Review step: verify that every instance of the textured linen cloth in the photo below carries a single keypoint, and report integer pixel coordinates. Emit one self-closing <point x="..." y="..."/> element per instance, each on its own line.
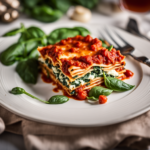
<point x="134" y="133"/>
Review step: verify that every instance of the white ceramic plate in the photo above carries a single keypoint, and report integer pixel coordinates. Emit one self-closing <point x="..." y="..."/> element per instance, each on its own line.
<point x="120" y="106"/>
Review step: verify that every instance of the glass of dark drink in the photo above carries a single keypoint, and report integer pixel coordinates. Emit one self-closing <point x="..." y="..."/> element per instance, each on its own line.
<point x="140" y="6"/>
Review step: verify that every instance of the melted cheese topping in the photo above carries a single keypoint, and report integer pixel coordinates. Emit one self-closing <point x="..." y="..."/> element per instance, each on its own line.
<point x="72" y="47"/>
<point x="81" y="52"/>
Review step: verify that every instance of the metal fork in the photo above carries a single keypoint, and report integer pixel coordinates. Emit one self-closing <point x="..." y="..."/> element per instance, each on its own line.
<point x="125" y="50"/>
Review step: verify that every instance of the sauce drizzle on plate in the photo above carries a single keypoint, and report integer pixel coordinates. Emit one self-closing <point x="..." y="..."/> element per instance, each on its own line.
<point x="58" y="87"/>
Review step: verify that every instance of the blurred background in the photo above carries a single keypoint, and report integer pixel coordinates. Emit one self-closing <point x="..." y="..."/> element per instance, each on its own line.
<point x="39" y="12"/>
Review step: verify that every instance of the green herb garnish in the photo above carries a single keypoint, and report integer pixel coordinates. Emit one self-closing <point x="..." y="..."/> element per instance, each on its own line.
<point x="110" y="48"/>
<point x="56" y="99"/>
<point x="92" y="98"/>
<point x="98" y="90"/>
<point x="26" y="47"/>
<point x="28" y="70"/>
<point x="116" y="84"/>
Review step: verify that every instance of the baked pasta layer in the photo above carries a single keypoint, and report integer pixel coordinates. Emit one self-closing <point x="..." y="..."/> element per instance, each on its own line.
<point x="80" y="62"/>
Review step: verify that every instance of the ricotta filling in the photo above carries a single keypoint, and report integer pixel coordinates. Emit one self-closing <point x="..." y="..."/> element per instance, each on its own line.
<point x="113" y="73"/>
<point x="96" y="72"/>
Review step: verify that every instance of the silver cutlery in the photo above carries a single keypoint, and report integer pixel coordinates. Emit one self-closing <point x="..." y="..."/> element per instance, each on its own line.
<point x="133" y="28"/>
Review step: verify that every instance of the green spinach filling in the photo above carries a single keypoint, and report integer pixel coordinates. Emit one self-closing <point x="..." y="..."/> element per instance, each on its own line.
<point x="97" y="72"/>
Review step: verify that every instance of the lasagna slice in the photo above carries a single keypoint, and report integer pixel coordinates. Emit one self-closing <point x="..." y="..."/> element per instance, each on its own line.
<point x="78" y="64"/>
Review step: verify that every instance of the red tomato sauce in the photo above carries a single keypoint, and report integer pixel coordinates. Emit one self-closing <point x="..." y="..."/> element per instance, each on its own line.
<point x="46" y="79"/>
<point x="127" y="75"/>
<point x="57" y="87"/>
<point x="81" y="94"/>
<point x="84" y="52"/>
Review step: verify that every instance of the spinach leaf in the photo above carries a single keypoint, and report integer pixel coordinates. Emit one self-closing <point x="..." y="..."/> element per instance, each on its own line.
<point x="44" y="41"/>
<point x="110" y="48"/>
<point x="8" y="57"/>
<point x="63" y="33"/>
<point x="51" y="10"/>
<point x="34" y="54"/>
<point x="44" y="13"/>
<point x="62" y="5"/>
<point x="58" y="99"/>
<point x="116" y="84"/>
<point x="30" y="3"/>
<point x="24" y="37"/>
<point x="35" y="32"/>
<point x="15" y="31"/>
<point x="17" y="91"/>
<point x="86" y="3"/>
<point x="83" y="31"/>
<point x="31" y="33"/>
<point x="28" y="70"/>
<point x="30" y="45"/>
<point x="92" y="98"/>
<point x="17" y="51"/>
<point x="75" y="76"/>
<point x="104" y="43"/>
<point x="97" y="90"/>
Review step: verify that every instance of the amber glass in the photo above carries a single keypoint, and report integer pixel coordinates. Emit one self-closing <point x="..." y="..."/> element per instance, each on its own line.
<point x="136" y="5"/>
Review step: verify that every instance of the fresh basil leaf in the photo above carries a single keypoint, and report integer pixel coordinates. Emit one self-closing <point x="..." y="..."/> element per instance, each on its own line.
<point x="30" y="45"/>
<point x="86" y="3"/>
<point x="24" y="37"/>
<point x="110" y="48"/>
<point x="92" y="98"/>
<point x="116" y="84"/>
<point x="31" y="33"/>
<point x="45" y="13"/>
<point x="12" y="32"/>
<point x="83" y="31"/>
<point x="62" y="33"/>
<point x="62" y="5"/>
<point x="17" y="51"/>
<point x="8" y="57"/>
<point x="15" y="31"/>
<point x="28" y="70"/>
<point x="35" y="32"/>
<point x="30" y="3"/>
<point x="103" y="43"/>
<point x="58" y="99"/>
<point x="34" y="54"/>
<point x="44" y="41"/>
<point x="98" y="90"/>
<point x="17" y="91"/>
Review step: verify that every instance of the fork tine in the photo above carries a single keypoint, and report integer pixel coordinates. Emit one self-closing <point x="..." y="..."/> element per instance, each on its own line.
<point x="112" y="38"/>
<point x="121" y="38"/>
<point x="104" y="37"/>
